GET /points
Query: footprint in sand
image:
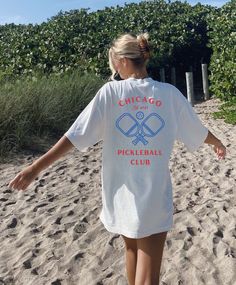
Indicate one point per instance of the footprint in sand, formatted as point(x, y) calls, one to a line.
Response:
point(216, 239)
point(58, 221)
point(231, 252)
point(76, 201)
point(3, 199)
point(35, 271)
point(51, 199)
point(7, 191)
point(85, 170)
point(27, 264)
point(228, 172)
point(57, 282)
point(80, 228)
point(188, 243)
point(51, 209)
point(12, 224)
point(197, 191)
point(85, 157)
point(192, 231)
point(84, 198)
point(72, 180)
point(81, 184)
point(112, 240)
point(37, 230)
point(56, 234)
point(31, 198)
point(39, 206)
point(79, 255)
point(10, 203)
point(61, 167)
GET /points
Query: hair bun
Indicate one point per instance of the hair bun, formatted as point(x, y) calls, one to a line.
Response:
point(143, 45)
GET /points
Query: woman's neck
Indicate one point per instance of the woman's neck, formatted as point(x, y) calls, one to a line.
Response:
point(138, 75)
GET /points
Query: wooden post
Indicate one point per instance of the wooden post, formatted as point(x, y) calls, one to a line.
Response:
point(205, 81)
point(190, 91)
point(173, 76)
point(162, 74)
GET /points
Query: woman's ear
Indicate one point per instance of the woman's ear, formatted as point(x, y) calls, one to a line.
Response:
point(124, 61)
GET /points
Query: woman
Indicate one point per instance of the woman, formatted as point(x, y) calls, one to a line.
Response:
point(138, 120)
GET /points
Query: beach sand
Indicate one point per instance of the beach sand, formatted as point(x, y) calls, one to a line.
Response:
point(51, 233)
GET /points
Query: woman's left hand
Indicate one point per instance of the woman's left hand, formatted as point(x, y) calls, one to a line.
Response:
point(220, 150)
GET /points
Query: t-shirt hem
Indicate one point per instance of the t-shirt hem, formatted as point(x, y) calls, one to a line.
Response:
point(137, 234)
point(74, 141)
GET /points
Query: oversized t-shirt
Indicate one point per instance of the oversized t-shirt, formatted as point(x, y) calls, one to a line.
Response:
point(137, 121)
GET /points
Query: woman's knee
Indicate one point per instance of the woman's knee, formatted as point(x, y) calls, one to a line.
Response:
point(147, 282)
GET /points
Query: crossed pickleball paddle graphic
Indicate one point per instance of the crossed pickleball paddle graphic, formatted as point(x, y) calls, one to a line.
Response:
point(131, 127)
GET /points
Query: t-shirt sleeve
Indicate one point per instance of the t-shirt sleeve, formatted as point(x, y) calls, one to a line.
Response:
point(88, 128)
point(190, 129)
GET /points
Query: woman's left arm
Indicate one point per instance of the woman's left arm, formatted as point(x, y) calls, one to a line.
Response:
point(219, 148)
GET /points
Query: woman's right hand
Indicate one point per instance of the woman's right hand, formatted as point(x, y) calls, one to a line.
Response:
point(27, 175)
point(24, 178)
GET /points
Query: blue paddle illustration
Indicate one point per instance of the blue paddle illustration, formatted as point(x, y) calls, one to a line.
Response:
point(146, 130)
point(134, 128)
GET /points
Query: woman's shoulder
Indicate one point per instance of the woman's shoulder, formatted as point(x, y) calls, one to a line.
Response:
point(164, 86)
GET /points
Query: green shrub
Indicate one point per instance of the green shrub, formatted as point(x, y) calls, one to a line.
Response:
point(80, 40)
point(222, 34)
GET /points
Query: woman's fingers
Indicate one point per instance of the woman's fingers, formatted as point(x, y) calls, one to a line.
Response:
point(24, 178)
point(21, 184)
point(223, 152)
point(220, 151)
point(14, 183)
point(24, 186)
point(17, 183)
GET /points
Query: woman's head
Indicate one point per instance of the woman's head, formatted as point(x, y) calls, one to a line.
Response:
point(129, 53)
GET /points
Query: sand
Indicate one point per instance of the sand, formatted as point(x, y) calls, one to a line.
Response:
point(51, 233)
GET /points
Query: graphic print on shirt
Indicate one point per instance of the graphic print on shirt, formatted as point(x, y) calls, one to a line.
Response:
point(140, 130)
point(148, 127)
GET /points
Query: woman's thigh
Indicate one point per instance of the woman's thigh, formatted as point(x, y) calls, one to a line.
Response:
point(149, 257)
point(130, 243)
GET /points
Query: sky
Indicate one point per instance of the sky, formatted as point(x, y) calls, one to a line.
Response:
point(38, 11)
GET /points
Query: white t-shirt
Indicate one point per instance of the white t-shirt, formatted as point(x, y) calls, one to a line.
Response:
point(138, 121)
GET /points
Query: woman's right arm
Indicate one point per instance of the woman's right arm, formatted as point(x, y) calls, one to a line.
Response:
point(27, 175)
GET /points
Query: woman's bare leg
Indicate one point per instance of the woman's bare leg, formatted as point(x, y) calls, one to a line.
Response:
point(131, 258)
point(149, 258)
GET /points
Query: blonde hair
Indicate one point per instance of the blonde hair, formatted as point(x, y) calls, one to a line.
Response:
point(136, 48)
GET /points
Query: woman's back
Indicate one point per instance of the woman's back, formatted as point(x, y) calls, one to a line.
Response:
point(138, 121)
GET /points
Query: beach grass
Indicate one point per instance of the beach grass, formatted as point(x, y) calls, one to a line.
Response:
point(34, 110)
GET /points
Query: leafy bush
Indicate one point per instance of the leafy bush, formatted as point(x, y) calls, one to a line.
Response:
point(222, 34)
point(80, 40)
